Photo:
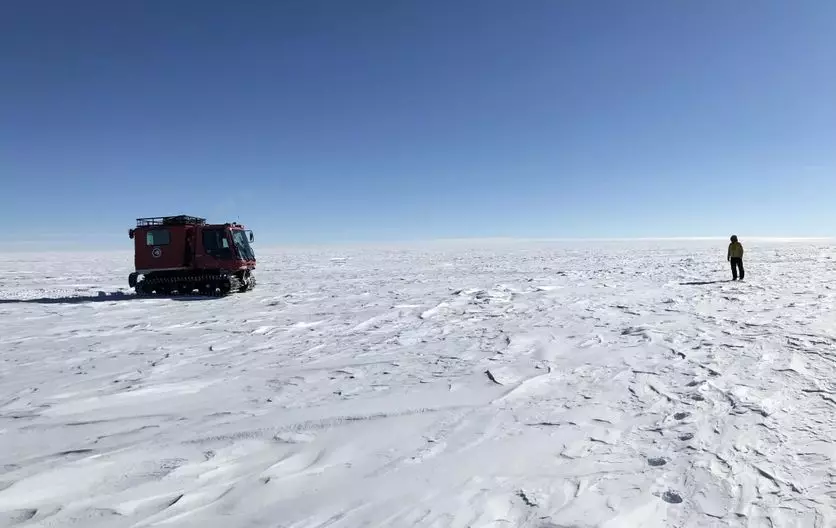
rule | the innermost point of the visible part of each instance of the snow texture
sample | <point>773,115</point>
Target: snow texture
<point>536,384</point>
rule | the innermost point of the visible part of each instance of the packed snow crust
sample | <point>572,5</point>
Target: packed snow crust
<point>512,384</point>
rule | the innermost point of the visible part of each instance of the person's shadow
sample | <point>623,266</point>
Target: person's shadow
<point>704,283</point>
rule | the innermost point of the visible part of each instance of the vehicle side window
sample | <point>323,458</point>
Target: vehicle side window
<point>158,237</point>
<point>214,240</point>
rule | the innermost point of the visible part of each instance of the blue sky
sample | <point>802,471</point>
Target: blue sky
<point>315,121</point>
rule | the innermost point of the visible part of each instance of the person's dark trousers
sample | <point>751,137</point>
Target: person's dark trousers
<point>737,268</point>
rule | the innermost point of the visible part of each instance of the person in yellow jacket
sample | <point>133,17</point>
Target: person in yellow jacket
<point>735,257</point>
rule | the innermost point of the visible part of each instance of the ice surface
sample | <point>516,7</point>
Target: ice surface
<point>514,384</point>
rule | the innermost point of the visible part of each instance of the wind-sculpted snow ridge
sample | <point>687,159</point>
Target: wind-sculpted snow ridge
<point>538,385</point>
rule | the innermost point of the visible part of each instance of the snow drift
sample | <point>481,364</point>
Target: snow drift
<point>532,384</point>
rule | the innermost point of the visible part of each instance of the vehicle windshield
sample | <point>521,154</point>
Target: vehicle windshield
<point>242,245</point>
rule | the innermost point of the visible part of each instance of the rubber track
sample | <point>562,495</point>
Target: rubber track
<point>220,285</point>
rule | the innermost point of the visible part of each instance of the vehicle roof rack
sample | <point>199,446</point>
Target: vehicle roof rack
<point>170,220</point>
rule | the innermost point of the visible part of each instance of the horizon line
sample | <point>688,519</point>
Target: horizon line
<point>452,240</point>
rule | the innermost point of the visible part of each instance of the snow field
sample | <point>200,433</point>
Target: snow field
<point>516,384</point>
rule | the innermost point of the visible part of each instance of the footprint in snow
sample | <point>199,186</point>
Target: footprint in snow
<point>681,415</point>
<point>687,436</point>
<point>697,397</point>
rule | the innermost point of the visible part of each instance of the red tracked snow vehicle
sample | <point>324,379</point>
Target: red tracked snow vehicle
<point>181,254</point>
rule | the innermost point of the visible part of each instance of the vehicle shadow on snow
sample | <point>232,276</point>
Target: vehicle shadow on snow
<point>105,297</point>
